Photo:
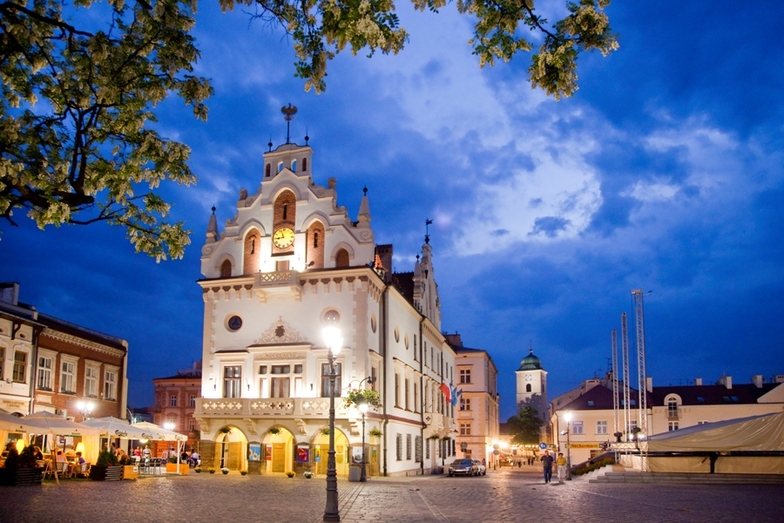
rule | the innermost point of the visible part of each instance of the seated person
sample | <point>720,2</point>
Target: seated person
<point>62,462</point>
<point>37,453</point>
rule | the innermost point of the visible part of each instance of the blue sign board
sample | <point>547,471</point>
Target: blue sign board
<point>543,445</point>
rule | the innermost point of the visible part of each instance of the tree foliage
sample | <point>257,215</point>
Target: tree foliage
<point>525,426</point>
<point>75,141</point>
<point>80,88</point>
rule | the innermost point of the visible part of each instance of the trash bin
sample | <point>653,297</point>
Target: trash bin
<point>354,472</point>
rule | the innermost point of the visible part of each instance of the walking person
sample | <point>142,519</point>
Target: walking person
<point>547,466</point>
<point>561,462</point>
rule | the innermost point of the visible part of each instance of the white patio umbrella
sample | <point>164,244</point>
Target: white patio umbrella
<point>116,428</point>
<point>55,425</point>
<point>159,433</point>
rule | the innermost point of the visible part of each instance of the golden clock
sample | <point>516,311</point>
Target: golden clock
<point>283,238</point>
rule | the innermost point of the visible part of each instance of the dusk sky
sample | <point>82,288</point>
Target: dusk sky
<point>665,172</point>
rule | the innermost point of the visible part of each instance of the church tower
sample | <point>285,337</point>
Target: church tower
<point>532,384</point>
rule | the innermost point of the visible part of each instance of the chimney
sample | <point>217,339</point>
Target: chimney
<point>9,293</point>
<point>726,381</point>
<point>758,380</point>
<point>698,382</point>
<point>649,383</point>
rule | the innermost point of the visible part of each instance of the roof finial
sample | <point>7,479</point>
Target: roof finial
<point>288,111</point>
<point>428,221</point>
<point>364,190</point>
<point>213,209</point>
<point>306,135</point>
<point>270,144</point>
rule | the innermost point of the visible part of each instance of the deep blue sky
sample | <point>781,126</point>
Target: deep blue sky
<point>664,172</point>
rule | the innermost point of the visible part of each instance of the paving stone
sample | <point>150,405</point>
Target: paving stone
<point>501,496</point>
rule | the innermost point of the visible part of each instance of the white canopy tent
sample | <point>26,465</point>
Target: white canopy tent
<point>753,445</point>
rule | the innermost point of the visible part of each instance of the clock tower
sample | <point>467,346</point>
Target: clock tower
<point>532,384</point>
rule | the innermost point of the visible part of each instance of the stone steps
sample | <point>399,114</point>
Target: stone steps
<point>684,478</point>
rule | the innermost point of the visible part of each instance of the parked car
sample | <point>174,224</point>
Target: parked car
<point>463,467</point>
<point>481,470</point>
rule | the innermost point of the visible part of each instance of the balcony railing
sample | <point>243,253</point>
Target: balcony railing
<point>268,408</point>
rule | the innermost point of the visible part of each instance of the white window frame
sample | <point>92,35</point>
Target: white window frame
<point>92,378</point>
<point>110,379</point>
<point>577,427</point>
<point>601,427</point>
<point>45,376</point>
<point>68,377</point>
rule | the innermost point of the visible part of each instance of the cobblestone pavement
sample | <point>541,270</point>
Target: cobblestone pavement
<point>501,496</point>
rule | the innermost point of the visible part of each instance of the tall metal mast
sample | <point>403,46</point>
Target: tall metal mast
<point>642,380</point>
<point>615,379</point>
<point>625,357</point>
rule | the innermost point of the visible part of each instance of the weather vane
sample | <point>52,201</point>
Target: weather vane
<point>288,114</point>
<point>428,221</point>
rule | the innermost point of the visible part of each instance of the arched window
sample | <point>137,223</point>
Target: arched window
<point>341,259</point>
<point>280,166</point>
<point>304,165</point>
<point>528,387</point>
<point>672,408</point>
<point>269,168</point>
<point>285,211</point>
<point>315,247</point>
<point>294,166</point>
<point>225,269</point>
<point>251,253</point>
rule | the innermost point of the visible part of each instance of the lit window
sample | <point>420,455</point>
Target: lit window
<point>232,379</point>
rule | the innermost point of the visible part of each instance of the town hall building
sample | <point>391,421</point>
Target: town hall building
<point>290,262</point>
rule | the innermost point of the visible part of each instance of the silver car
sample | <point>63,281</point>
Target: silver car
<point>463,467</point>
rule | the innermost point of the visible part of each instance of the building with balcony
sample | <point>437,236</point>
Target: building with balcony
<point>49,364</point>
<point>594,421</point>
<point>477,413</point>
<point>289,262</point>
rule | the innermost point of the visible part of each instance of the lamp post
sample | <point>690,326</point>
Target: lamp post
<point>363,407</point>
<point>85,408</point>
<point>333,339</point>
<point>568,418</point>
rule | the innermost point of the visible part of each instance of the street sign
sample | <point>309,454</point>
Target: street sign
<point>543,445</point>
<point>496,452</point>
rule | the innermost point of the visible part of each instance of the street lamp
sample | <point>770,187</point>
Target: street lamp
<point>85,408</point>
<point>363,407</point>
<point>333,339</point>
<point>568,419</point>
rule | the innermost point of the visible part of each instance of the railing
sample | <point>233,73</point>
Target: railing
<point>276,278</point>
<point>268,407</point>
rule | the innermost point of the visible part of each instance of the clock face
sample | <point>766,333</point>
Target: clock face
<point>528,377</point>
<point>283,238</point>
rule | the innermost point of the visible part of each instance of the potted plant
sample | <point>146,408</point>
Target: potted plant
<point>21,469</point>
<point>308,474</point>
<point>244,472</point>
<point>211,470</point>
<point>107,467</point>
<point>375,433</point>
<point>129,467</point>
<point>197,470</point>
<point>291,473</point>
<point>325,431</point>
<point>274,430</point>
<point>173,468</point>
<point>358,396</point>
<point>224,470</point>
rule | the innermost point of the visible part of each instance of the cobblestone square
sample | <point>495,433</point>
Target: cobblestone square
<point>500,496</point>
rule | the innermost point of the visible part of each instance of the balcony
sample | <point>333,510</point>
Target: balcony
<point>268,408</point>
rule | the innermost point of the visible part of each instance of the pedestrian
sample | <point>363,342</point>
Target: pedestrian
<point>561,462</point>
<point>547,466</point>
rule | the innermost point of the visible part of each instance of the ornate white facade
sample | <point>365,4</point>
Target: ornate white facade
<point>288,263</point>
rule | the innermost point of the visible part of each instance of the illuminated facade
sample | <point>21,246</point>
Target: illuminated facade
<point>476,417</point>
<point>288,263</point>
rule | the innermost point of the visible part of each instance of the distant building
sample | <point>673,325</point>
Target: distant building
<point>532,385</point>
<point>49,364</point>
<point>477,415</point>
<point>669,408</point>
<point>175,401</point>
